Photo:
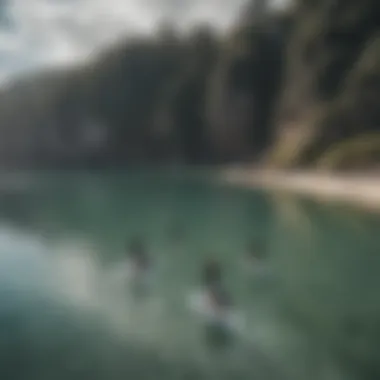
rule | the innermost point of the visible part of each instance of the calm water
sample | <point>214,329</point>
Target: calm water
<point>66,312</point>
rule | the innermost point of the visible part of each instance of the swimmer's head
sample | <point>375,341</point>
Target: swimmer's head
<point>137,252</point>
<point>136,247</point>
<point>212,272</point>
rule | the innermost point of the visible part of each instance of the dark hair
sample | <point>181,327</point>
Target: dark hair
<point>137,251</point>
<point>212,272</point>
<point>136,246</point>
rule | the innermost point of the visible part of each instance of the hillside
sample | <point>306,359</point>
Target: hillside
<point>332,87</point>
<point>296,88</point>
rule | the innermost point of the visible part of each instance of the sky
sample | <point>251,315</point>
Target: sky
<point>38,33</point>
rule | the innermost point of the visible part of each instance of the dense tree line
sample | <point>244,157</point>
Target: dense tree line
<point>331,89</point>
<point>281,88</point>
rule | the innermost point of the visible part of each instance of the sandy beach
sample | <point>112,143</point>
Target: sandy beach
<point>358,189</point>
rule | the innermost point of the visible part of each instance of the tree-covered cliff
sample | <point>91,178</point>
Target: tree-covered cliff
<point>330,97</point>
<point>296,87</point>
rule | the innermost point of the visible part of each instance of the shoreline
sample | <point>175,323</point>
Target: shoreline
<point>352,189</point>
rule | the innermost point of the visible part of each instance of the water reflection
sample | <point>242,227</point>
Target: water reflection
<point>328,272</point>
<point>66,309</point>
<point>65,315</point>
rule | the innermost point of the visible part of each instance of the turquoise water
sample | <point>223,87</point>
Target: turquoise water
<point>66,311</point>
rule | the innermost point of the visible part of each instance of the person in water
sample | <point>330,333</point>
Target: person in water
<point>217,297</point>
<point>138,254</point>
<point>255,262</point>
<point>140,265</point>
<point>218,303</point>
<point>211,273</point>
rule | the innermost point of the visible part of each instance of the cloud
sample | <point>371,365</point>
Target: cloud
<point>34,33</point>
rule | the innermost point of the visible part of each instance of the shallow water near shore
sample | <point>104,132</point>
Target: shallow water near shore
<point>67,311</point>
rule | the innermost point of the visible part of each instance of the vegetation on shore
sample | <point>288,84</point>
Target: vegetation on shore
<point>283,88</point>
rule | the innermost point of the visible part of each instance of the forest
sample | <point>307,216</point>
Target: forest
<point>296,88</point>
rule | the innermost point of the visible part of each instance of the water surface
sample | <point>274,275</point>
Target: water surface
<point>66,310</point>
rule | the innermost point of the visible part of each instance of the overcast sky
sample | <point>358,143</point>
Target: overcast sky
<point>43,32</point>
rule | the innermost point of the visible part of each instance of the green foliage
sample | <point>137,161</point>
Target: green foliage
<point>358,152</point>
<point>286,87</point>
<point>184,97</point>
<point>244,85</point>
<point>332,71</point>
<point>153,96</point>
